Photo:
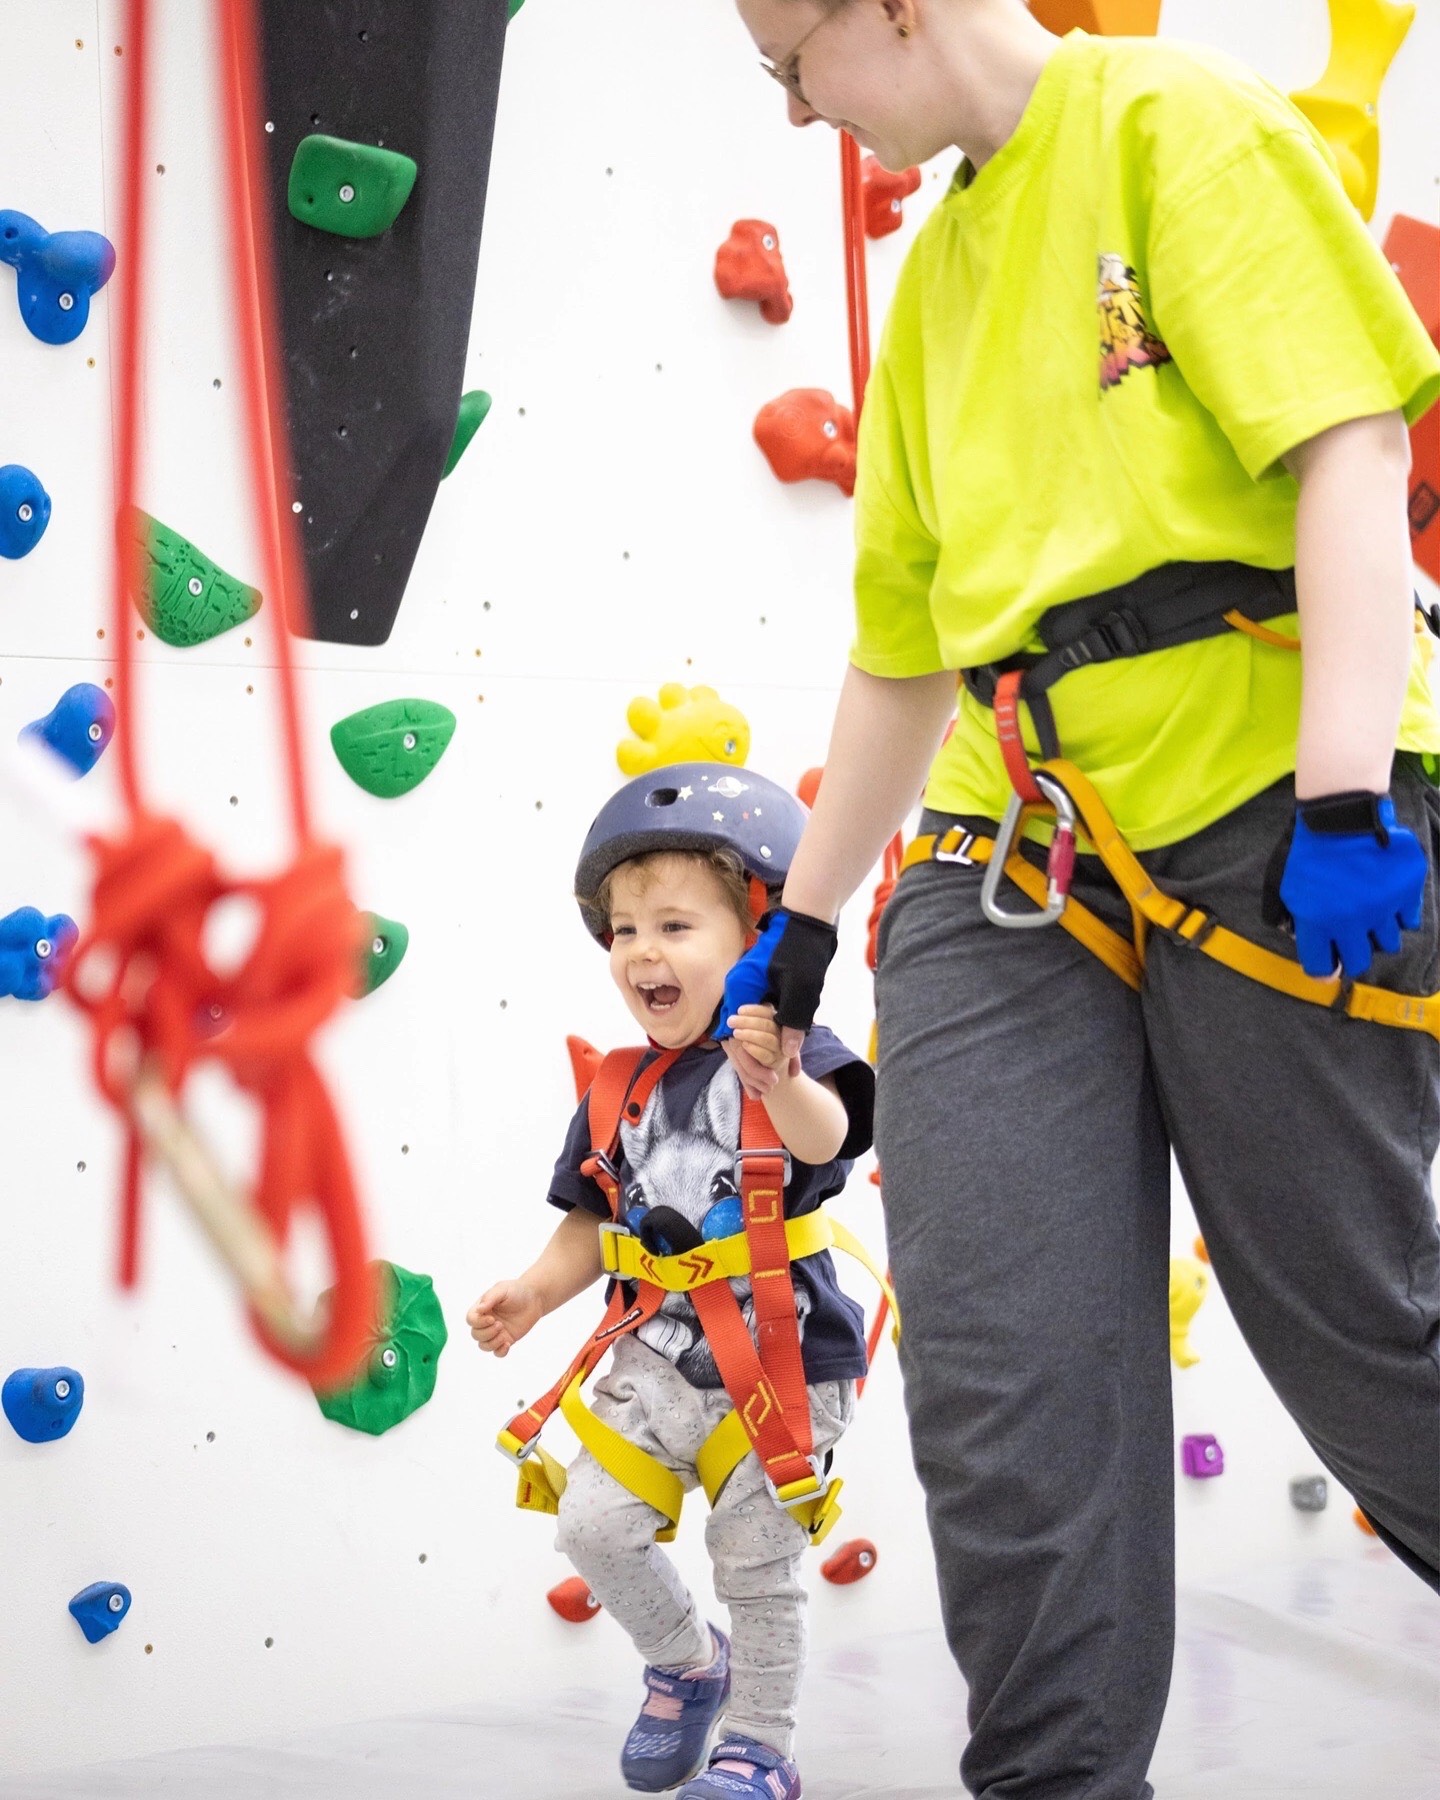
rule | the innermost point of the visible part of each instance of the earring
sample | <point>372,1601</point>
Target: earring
<point>904,31</point>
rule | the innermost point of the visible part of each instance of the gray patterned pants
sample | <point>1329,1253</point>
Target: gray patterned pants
<point>754,1544</point>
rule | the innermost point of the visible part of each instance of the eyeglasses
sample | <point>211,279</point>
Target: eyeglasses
<point>787,70</point>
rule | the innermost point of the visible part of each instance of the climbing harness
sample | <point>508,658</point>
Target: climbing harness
<point>764,1377</point>
<point>156,1002</point>
<point>1171,605</point>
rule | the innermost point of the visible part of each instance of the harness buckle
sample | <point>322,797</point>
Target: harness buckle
<point>961,852</point>
<point>1060,867</point>
<point>610,1231</point>
<point>516,1450</point>
<point>1197,939</point>
<point>741,1156</point>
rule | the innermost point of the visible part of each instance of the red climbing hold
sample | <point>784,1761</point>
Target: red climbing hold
<point>748,266</point>
<point>808,786</point>
<point>1413,247</point>
<point>585,1061</point>
<point>807,434</point>
<point>574,1601</point>
<point>884,194</point>
<point>853,1561</point>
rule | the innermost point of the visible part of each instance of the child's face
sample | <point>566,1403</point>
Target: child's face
<point>675,938</point>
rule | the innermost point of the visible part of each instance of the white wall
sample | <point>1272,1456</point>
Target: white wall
<point>612,527</point>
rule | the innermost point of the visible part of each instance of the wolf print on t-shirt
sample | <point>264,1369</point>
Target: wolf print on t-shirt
<point>690,1169</point>
<point>1126,340</point>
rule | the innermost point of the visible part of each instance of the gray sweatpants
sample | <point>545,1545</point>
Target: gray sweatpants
<point>1028,1101</point>
<point>755,1546</point>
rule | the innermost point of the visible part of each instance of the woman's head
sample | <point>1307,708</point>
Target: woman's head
<point>907,78</point>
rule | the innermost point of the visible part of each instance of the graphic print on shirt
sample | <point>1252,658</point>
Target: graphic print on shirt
<point>1126,340</point>
<point>690,1169</point>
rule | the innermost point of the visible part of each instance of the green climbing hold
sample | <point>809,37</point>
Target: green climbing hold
<point>353,190</point>
<point>183,597</point>
<point>515,6</point>
<point>386,941</point>
<point>398,1374</point>
<point>473,408</point>
<point>391,748</point>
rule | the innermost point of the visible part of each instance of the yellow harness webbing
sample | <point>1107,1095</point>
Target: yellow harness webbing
<point>1152,906</point>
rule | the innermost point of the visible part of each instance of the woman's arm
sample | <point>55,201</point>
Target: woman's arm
<point>1356,593</point>
<point>884,739</point>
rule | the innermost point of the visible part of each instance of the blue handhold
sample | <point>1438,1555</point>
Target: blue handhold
<point>78,727</point>
<point>33,952</point>
<point>42,1404</point>
<point>56,272</point>
<point>101,1608</point>
<point>24,511</point>
<point>724,1219</point>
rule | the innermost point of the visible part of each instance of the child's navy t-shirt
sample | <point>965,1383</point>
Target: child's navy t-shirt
<point>681,1155</point>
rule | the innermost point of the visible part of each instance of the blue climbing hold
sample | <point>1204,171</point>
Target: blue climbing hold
<point>33,952</point>
<point>42,1404</point>
<point>79,726</point>
<point>101,1608</point>
<point>24,511</point>
<point>56,272</point>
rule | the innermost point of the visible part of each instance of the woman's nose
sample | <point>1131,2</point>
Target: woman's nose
<point>800,113</point>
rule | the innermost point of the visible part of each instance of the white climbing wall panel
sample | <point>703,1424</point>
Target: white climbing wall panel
<point>611,528</point>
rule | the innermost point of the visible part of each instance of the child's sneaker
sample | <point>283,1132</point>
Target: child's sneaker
<point>740,1766</point>
<point>667,1742</point>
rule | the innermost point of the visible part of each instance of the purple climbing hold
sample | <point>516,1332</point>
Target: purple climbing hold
<point>79,727</point>
<point>101,1608</point>
<point>56,272</point>
<point>1201,1455</point>
<point>24,511</point>
<point>33,952</point>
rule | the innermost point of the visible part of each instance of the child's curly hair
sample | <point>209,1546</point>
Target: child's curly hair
<point>723,864</point>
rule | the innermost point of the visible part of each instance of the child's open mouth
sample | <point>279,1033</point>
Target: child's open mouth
<point>658,997</point>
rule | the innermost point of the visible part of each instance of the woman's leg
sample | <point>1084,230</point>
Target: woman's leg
<point>1027,1192</point>
<point>1306,1141</point>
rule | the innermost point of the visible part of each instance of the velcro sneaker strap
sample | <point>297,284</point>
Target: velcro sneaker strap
<point>636,1470</point>
<point>722,1259</point>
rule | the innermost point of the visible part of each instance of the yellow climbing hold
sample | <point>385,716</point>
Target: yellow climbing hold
<point>1344,104</point>
<point>688,725</point>
<point>1189,1284</point>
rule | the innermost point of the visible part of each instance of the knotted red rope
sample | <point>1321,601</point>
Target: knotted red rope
<point>143,972</point>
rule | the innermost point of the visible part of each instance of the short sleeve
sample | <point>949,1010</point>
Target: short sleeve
<point>568,1187</point>
<point>895,555</point>
<point>822,1054</point>
<point>1279,308</point>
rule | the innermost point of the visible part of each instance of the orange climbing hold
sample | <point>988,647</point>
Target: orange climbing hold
<point>1413,247</point>
<point>574,1601</point>
<point>1201,1253</point>
<point>807,435</point>
<point>1101,18</point>
<point>749,266</point>
<point>1364,1523</point>
<point>853,1561</point>
<point>884,195</point>
<point>585,1061</point>
<point>808,786</point>
<point>1344,104</point>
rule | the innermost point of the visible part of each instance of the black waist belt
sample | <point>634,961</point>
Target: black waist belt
<point>1178,603</point>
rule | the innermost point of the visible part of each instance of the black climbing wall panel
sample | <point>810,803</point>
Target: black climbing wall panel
<point>375,329</point>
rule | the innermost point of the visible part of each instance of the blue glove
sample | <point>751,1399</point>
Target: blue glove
<point>786,964</point>
<point>1352,880</point>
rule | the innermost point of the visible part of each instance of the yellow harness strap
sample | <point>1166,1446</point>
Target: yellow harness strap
<point>1152,906</point>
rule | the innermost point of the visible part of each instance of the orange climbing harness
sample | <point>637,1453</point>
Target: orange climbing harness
<point>1112,631</point>
<point>764,1377</point>
<point>154,997</point>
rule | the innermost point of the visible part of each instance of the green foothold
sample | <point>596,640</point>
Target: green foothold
<point>386,941</point>
<point>473,408</point>
<point>183,597</point>
<point>391,748</point>
<point>515,6</point>
<point>353,190</point>
<point>398,1374</point>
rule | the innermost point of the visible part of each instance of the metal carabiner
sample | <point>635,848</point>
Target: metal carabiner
<point>1059,869</point>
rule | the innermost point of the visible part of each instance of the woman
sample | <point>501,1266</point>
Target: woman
<point>1143,349</point>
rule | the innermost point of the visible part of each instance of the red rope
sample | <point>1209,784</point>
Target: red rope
<point>141,972</point>
<point>857,287</point>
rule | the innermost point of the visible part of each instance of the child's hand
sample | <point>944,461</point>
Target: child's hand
<point>503,1314</point>
<point>760,1057</point>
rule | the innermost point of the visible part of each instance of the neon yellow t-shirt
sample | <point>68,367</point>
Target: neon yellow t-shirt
<point>1100,347</point>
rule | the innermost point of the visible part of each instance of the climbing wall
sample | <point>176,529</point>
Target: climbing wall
<point>613,527</point>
